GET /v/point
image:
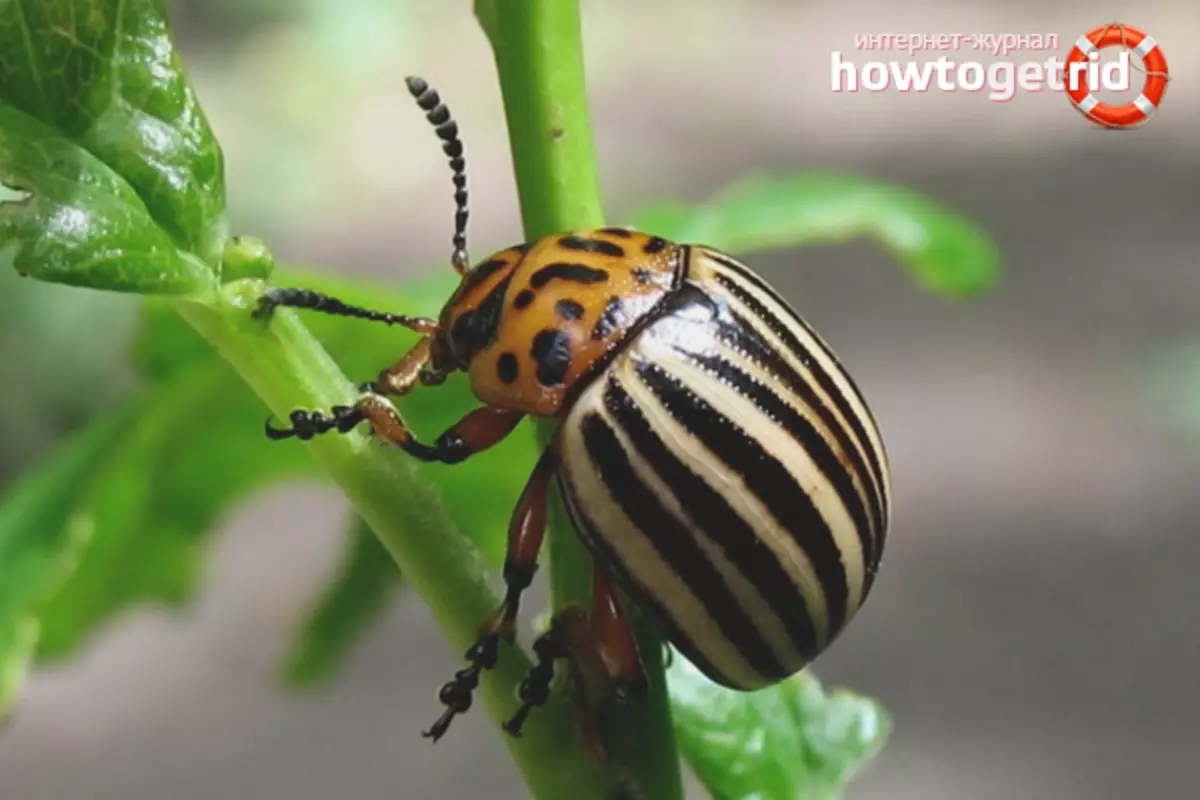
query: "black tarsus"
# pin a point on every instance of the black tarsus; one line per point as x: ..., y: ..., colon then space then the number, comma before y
x: 307, y: 424
x: 315, y: 301
x: 447, y: 130
x: 456, y: 695
x: 534, y: 690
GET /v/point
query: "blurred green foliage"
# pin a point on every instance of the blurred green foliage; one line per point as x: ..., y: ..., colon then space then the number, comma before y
x: 944, y: 252
x: 110, y: 178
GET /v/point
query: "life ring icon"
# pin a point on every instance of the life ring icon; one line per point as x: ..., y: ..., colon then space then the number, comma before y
x: 1131, y: 114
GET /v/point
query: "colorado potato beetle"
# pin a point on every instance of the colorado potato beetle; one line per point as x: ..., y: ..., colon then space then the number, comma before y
x: 717, y: 461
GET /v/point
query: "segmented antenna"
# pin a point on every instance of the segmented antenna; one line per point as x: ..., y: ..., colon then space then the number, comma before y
x: 447, y: 130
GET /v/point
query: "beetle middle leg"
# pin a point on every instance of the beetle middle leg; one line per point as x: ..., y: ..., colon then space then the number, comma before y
x: 526, y: 532
x: 477, y: 431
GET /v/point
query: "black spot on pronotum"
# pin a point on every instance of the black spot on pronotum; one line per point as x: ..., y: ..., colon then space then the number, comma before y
x: 591, y: 246
x: 641, y: 275
x: 474, y: 329
x: 552, y: 352
x: 480, y: 274
x: 507, y: 368
x: 618, y: 232
x: 568, y: 309
x: 609, y: 319
x: 524, y: 298
x: 655, y: 245
x: 580, y: 273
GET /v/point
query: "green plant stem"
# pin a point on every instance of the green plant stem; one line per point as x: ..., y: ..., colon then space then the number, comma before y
x: 288, y: 368
x: 539, y: 56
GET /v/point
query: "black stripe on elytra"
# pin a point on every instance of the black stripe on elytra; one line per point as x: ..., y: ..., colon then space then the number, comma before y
x: 746, y: 274
x: 766, y: 478
x: 474, y: 329
x: 600, y: 246
x: 580, y: 273
x: 675, y: 546
x: 551, y: 352
x: 803, y: 432
x: 780, y: 329
x: 719, y: 522
x: 742, y: 336
x: 618, y: 232
x: 611, y: 561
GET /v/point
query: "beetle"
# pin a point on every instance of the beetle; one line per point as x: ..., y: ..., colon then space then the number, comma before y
x: 716, y: 459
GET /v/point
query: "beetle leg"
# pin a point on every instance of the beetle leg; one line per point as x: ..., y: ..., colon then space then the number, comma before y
x: 315, y: 301
x: 413, y: 368
x: 534, y: 690
x: 525, y: 534
x: 613, y: 638
x: 401, y: 377
x: 600, y: 644
x: 477, y: 431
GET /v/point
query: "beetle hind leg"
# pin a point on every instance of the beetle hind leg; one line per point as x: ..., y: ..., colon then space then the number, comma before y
x: 602, y: 657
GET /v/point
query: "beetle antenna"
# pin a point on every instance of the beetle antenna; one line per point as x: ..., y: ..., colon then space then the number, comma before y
x: 447, y: 130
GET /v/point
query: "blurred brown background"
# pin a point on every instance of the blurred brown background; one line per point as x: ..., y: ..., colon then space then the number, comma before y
x: 1034, y: 632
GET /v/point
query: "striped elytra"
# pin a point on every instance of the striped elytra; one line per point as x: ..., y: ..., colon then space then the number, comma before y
x: 726, y: 469
x: 716, y: 459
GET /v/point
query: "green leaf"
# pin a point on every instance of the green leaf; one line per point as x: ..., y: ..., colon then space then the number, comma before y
x: 792, y: 741
x: 40, y: 537
x: 66, y: 217
x: 105, y: 74
x: 358, y: 597
x: 946, y: 253
x: 197, y: 448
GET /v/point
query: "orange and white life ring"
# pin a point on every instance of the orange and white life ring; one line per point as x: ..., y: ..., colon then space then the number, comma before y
x: 1130, y: 114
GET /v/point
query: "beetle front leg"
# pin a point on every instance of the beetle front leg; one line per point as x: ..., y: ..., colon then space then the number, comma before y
x: 413, y: 368
x: 315, y: 301
x: 525, y: 534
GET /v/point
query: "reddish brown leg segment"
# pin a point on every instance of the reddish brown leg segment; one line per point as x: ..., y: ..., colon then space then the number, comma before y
x: 401, y: 377
x: 614, y: 639
x: 525, y: 535
x: 599, y: 645
x: 477, y: 431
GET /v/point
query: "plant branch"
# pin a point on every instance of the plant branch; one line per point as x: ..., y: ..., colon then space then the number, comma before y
x: 539, y: 56
x: 288, y: 368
